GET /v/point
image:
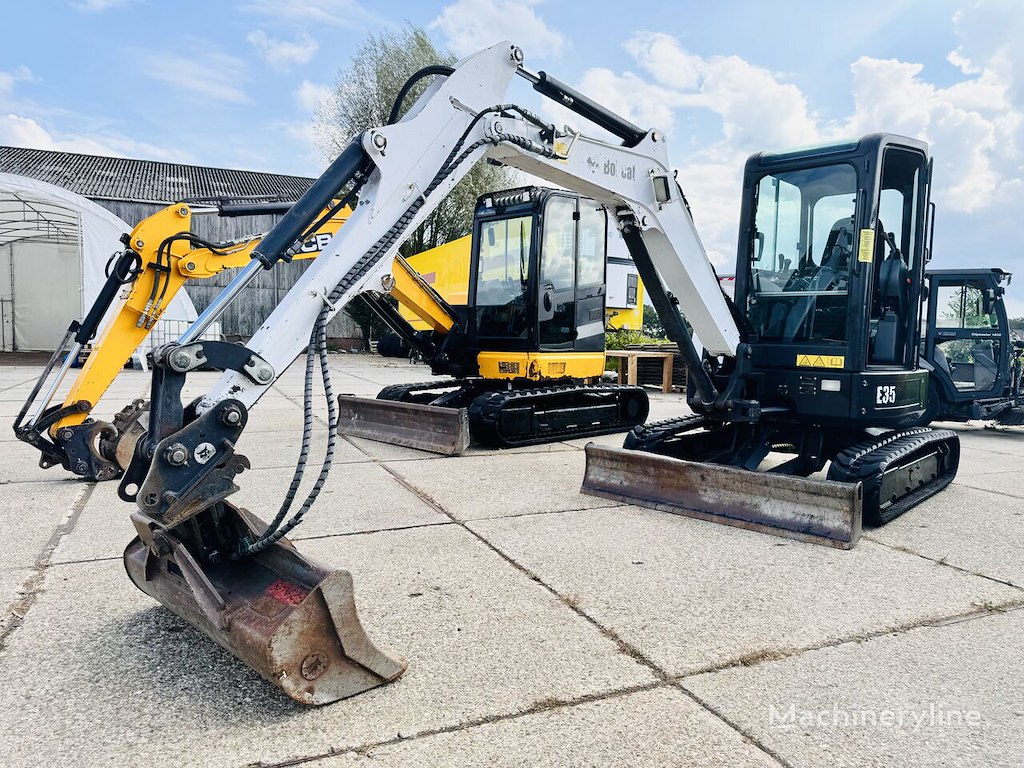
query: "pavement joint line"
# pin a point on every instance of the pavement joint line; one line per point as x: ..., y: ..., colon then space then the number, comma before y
x: 744, y: 732
x: 942, y: 561
x: 19, y: 384
x: 625, y: 648
x: 33, y: 585
x: 544, y: 512
x: 542, y: 705
x: 88, y: 560
x: 987, y: 490
x: 768, y: 656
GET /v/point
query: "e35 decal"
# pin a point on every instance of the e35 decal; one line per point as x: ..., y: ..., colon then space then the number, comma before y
x: 885, y: 394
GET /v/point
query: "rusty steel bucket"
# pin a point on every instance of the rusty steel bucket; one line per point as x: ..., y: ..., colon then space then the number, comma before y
x: 816, y: 511
x: 291, y: 619
x: 430, y: 428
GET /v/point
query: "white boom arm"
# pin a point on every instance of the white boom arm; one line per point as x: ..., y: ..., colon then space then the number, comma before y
x: 413, y: 171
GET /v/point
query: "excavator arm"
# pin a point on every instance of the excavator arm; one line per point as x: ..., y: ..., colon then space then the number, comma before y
x: 161, y: 254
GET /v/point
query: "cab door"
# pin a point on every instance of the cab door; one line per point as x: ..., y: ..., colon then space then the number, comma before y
x: 571, y: 287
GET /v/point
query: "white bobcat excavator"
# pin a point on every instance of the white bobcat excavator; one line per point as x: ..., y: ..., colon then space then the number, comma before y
x: 819, y: 349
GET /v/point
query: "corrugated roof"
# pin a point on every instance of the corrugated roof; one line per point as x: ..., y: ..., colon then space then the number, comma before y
x: 118, y: 178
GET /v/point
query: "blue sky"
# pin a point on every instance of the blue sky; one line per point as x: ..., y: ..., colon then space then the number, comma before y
x: 235, y: 83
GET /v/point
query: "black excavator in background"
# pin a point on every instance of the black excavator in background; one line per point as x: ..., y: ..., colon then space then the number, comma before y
x: 974, y: 365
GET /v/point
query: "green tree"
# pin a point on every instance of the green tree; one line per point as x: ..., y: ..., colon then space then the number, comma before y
x: 363, y: 98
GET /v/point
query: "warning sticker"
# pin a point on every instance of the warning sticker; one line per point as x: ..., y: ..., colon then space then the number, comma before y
x: 820, y: 361
x: 866, y: 251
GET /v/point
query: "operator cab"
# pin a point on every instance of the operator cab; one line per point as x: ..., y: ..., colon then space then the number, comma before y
x: 537, y: 275
x: 966, y: 335
x: 829, y: 274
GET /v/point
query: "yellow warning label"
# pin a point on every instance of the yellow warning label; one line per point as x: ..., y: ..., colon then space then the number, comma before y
x: 562, y: 150
x: 867, y: 245
x: 820, y: 361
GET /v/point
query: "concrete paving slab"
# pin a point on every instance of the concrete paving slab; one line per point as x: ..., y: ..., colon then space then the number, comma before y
x: 690, y: 594
x: 978, y: 462
x: 269, y: 450
x: 29, y: 515
x: 979, y: 531
x: 102, y: 530
x: 477, y: 487
x: 1006, y: 483
x: 934, y: 696
x: 123, y: 681
x: 659, y: 727
x: 12, y: 582
x: 22, y: 465
x: 372, y: 449
x: 356, y: 498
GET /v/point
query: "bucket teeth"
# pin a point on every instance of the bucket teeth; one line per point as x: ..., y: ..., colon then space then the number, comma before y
x: 808, y: 510
x: 288, y: 617
x: 430, y: 428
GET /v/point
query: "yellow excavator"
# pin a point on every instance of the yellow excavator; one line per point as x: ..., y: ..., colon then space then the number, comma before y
x: 524, y: 370
x: 161, y: 254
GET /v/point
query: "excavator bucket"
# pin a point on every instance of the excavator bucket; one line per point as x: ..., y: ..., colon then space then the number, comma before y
x: 807, y: 510
x: 426, y: 427
x: 288, y: 617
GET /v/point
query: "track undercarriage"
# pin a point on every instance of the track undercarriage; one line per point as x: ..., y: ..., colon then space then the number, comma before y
x: 529, y: 412
x: 897, y: 469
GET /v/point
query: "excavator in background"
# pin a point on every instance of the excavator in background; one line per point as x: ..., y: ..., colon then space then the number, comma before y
x: 446, y: 269
x: 818, y: 356
x: 525, y: 345
x: 160, y: 255
x: 974, y: 365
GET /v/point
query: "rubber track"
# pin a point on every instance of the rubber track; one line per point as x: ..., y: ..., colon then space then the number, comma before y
x: 400, y: 392
x: 485, y: 413
x: 648, y: 437
x: 868, y: 462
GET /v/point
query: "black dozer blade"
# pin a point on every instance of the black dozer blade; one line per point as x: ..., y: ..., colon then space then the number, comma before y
x: 288, y: 617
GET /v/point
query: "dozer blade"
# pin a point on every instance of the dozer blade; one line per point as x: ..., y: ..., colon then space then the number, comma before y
x: 288, y: 617
x: 807, y: 510
x: 425, y: 427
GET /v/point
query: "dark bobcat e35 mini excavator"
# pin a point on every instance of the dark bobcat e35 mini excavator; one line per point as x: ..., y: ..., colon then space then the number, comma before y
x: 819, y: 350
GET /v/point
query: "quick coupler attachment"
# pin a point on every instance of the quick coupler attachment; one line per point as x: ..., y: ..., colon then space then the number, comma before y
x: 288, y: 617
x: 821, y: 512
x: 430, y: 428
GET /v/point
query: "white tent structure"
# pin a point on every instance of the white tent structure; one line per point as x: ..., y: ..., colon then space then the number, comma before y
x: 54, y: 248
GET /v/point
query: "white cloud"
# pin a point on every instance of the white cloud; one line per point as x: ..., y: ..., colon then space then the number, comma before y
x: 20, y: 131
x: 975, y: 125
x: 326, y: 13
x: 8, y: 79
x: 470, y: 25
x: 312, y: 96
x: 756, y: 109
x: 283, y: 54
x: 207, y: 74
x: 98, y: 6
